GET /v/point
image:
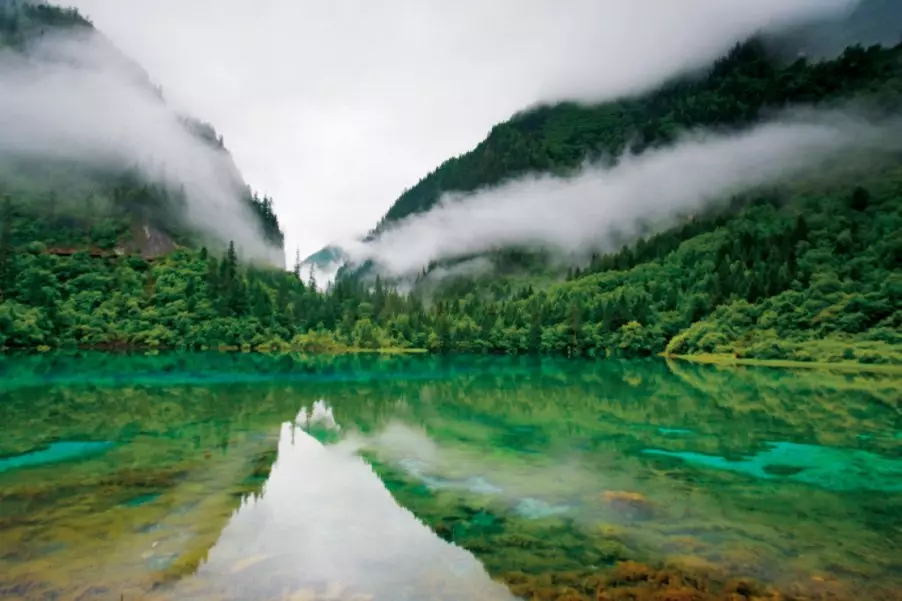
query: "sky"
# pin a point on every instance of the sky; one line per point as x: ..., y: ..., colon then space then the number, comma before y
x: 334, y: 107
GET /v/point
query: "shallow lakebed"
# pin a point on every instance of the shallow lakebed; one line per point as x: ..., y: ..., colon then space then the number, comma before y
x: 246, y: 477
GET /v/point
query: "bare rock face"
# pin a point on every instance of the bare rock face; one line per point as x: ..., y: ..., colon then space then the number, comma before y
x: 150, y: 242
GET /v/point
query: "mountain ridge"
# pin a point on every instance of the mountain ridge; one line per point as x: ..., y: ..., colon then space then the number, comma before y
x: 556, y: 139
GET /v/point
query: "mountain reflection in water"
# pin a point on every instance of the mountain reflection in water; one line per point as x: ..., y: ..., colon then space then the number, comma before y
x: 326, y: 527
x: 252, y: 478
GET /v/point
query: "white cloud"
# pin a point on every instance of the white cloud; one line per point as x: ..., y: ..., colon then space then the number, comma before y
x: 335, y: 106
x: 576, y: 213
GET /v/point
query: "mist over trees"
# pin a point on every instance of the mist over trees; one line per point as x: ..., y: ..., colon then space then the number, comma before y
x: 88, y: 137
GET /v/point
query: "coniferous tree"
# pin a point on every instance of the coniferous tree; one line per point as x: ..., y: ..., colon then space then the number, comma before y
x: 297, y: 264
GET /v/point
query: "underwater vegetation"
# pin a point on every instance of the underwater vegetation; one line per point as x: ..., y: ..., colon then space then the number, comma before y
x: 427, y: 478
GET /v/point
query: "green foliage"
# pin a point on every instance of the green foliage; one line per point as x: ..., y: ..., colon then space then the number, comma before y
x: 815, y: 277
x: 186, y: 300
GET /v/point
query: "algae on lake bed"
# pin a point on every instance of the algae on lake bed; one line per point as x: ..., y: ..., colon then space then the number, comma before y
x: 439, y: 479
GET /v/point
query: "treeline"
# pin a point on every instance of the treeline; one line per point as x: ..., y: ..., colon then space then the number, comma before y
x: 815, y: 276
x: 184, y: 300
x: 62, y: 297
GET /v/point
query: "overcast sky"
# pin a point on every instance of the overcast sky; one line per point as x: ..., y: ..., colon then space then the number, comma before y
x: 333, y: 107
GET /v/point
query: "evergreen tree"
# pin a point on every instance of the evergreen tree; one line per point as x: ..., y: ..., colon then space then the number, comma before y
x: 297, y: 264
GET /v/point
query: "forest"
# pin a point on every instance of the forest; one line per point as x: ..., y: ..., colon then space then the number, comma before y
x: 809, y: 270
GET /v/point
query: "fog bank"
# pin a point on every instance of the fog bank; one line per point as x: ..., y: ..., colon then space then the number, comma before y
x: 581, y: 212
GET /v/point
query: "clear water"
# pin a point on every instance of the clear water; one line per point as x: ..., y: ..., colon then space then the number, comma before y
x: 55, y: 452
x: 254, y: 478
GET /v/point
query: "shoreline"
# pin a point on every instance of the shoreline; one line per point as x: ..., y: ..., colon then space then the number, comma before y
x: 731, y: 361
x: 714, y: 359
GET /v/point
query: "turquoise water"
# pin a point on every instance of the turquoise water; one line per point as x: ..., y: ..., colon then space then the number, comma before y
x: 252, y: 478
x: 56, y: 452
x: 836, y: 469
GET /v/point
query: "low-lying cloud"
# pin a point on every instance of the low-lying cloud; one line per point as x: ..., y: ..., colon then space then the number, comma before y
x: 73, y: 97
x: 579, y: 213
x: 335, y: 106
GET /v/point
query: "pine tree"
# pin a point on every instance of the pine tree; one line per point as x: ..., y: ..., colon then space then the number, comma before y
x: 232, y: 258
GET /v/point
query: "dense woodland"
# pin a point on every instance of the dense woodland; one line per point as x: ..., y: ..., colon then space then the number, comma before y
x: 810, y: 270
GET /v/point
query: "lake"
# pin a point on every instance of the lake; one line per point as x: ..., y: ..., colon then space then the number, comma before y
x: 246, y: 477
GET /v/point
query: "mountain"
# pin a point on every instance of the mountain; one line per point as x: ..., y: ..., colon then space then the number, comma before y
x: 122, y: 222
x: 325, y: 262
x: 806, y: 269
x: 558, y: 139
x: 93, y: 156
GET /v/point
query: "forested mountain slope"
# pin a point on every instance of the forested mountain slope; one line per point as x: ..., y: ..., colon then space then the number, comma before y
x: 808, y: 270
x: 739, y: 90
x: 756, y: 80
x: 810, y: 273
x: 95, y: 251
x: 751, y: 82
x: 70, y: 203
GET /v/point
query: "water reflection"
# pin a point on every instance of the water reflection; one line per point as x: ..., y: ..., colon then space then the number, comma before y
x: 326, y: 527
x: 230, y: 477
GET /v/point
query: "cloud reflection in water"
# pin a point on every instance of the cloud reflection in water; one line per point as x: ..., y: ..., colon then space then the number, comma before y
x: 326, y: 527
